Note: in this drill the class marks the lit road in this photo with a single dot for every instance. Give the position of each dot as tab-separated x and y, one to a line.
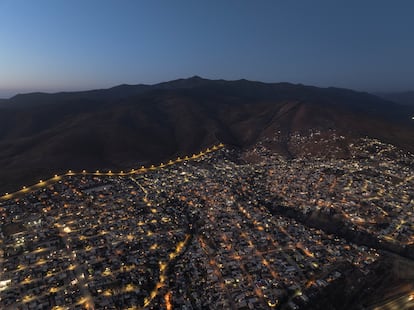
404	302
163	270
44	183
86	300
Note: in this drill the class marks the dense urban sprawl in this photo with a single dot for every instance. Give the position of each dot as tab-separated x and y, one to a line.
219	232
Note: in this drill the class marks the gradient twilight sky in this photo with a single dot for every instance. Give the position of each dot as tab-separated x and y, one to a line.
82	44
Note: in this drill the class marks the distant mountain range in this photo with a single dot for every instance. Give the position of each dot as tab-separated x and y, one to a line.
405	98
129	125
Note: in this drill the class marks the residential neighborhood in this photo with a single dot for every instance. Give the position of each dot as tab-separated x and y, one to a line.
214	232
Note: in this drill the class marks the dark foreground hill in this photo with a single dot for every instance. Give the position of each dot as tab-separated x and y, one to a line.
130	125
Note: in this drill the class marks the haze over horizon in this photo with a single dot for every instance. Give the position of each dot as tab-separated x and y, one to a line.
56	46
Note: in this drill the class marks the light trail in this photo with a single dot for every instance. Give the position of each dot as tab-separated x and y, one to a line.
44	183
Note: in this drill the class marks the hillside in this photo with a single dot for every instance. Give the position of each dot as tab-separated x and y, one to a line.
129	125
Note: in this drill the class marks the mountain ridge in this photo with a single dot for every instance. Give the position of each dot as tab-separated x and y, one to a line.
127	90
123	127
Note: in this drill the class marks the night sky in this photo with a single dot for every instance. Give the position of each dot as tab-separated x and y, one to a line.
74	45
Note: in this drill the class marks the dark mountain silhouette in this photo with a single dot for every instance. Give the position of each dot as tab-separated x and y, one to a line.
129	125
405	98
104	95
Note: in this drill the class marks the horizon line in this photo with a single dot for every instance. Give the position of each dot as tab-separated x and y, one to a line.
90	89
